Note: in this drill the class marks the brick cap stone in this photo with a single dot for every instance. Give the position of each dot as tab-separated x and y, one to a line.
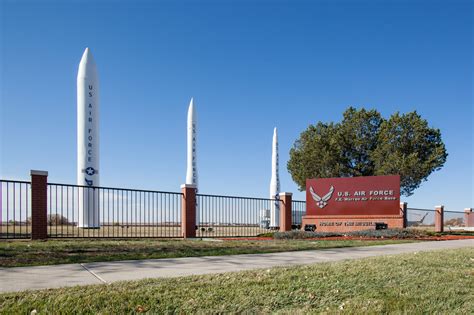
467	209
285	194
188	186
439	206
37	172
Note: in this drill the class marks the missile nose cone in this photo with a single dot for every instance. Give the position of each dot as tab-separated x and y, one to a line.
87	65
191	114
87	56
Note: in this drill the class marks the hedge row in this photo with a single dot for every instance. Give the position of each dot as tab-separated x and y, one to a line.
389	233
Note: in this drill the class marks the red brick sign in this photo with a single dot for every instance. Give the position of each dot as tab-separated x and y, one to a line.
368	195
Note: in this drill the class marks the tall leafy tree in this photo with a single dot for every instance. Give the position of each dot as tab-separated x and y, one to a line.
357	138
365	144
409	147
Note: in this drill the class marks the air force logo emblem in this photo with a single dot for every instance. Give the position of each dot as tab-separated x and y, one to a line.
90	171
321	201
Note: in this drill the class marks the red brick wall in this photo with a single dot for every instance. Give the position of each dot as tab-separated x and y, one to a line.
285	212
39	205
351	223
439	218
188	211
468	217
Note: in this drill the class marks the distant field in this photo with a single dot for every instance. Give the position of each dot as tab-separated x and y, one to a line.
168	231
440	282
29	253
23	231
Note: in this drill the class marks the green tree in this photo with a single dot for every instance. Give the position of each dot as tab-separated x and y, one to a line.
409	147
365	144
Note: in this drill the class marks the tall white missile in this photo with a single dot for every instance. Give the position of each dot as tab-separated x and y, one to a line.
88	141
275	184
191	173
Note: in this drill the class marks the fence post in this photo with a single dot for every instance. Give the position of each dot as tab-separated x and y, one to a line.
39	205
403	211
188	211
439	218
468	217
285	211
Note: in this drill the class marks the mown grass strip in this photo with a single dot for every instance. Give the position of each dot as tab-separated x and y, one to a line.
428	282
35	253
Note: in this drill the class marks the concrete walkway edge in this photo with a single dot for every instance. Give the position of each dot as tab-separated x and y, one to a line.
42	277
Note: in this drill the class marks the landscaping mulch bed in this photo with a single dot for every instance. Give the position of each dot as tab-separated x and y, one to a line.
348	238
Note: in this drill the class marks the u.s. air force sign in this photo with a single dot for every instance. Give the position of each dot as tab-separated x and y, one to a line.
368	195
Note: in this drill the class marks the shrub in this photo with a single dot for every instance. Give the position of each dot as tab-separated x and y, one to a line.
389	233
268	234
57	219
298	234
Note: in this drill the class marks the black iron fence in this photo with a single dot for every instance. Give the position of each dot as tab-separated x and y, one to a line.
453	219
418	217
230	216
298	209
425	218
83	211
15	209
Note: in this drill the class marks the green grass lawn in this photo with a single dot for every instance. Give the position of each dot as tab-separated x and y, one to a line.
31	253
429	282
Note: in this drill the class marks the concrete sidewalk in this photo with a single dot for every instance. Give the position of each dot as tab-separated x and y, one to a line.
23	278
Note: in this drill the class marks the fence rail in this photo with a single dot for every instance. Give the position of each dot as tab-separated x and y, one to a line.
82	211
75	211
425	218
232	216
15	209
298	210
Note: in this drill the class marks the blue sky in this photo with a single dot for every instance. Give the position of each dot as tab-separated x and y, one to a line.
250	66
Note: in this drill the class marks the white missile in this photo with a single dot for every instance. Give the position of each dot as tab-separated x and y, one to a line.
191	173
88	141
275	184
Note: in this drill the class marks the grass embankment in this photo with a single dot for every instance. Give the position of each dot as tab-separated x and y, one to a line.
430	282
34	253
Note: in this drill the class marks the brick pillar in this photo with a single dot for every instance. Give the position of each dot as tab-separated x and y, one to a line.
439	218
403	211
39	205
468	217
188	211
285	211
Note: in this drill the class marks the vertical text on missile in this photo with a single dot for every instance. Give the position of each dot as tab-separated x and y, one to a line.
90	124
